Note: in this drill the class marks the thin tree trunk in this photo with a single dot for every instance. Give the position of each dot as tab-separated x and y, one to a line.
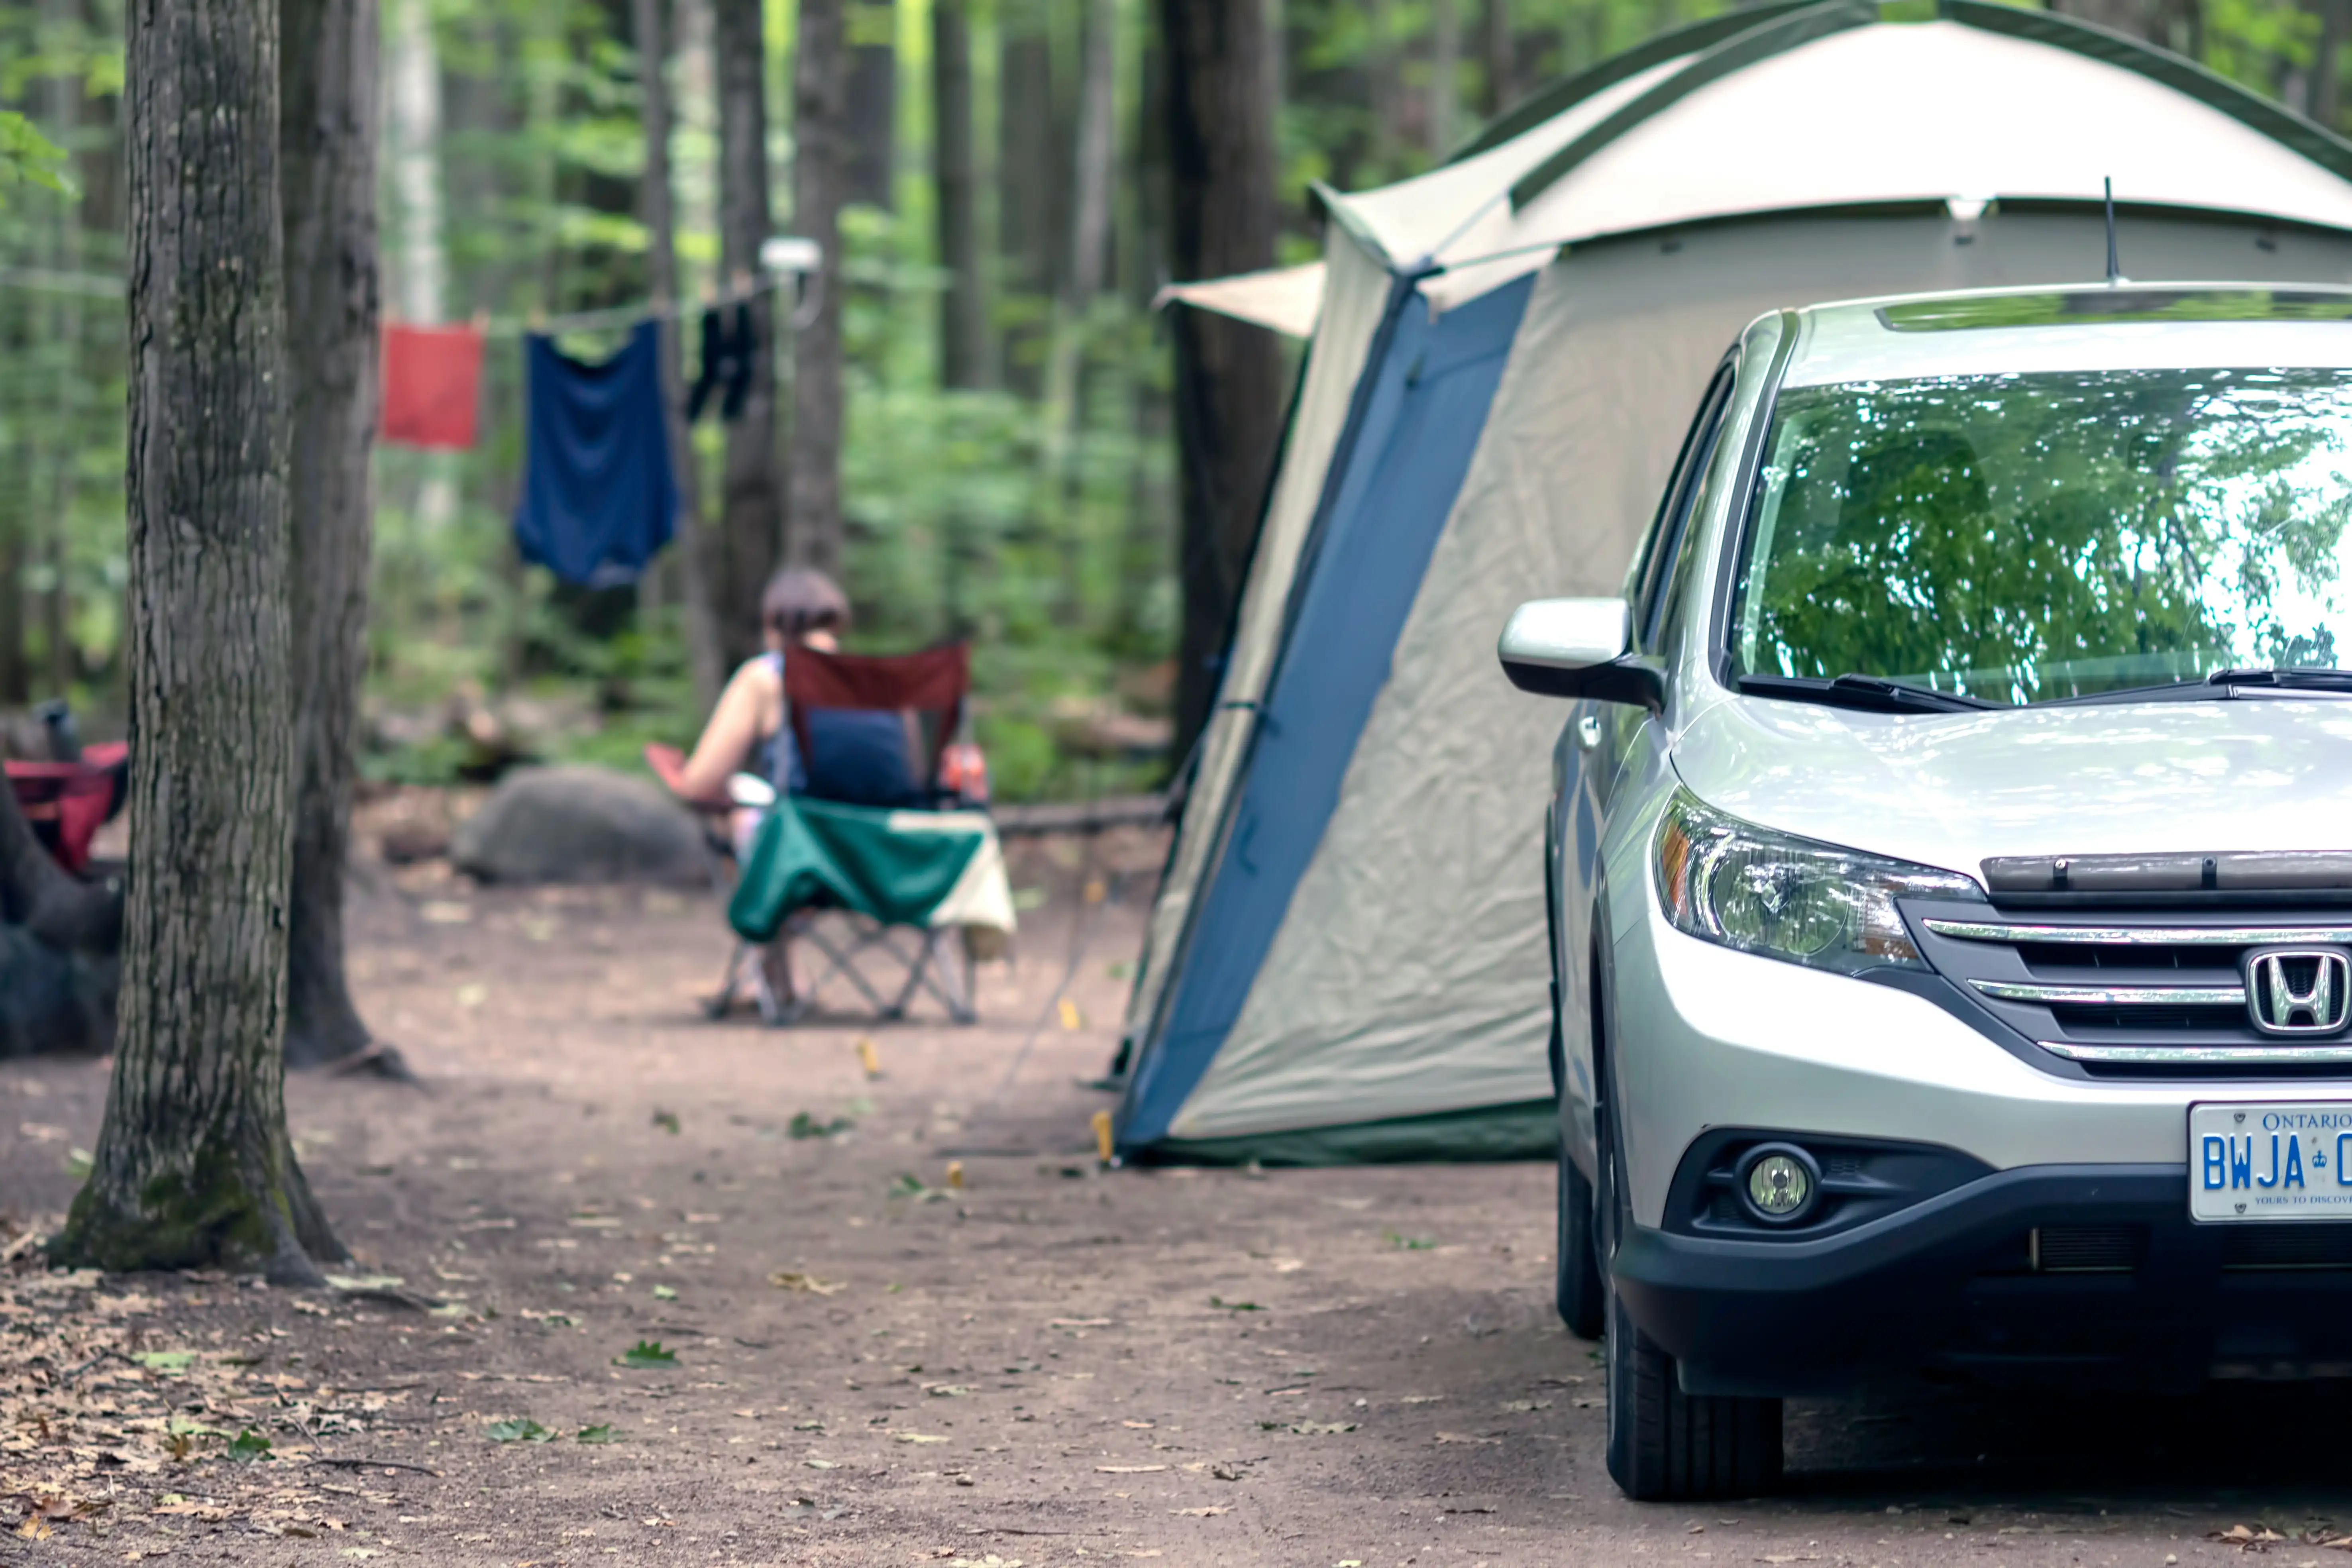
2326	104
750	523
819	112
963	307
413	99
62	91
1384	74
13	683
194	1166
869	157
1444	69
702	651
1229	394
1028	188
1500	85
327	152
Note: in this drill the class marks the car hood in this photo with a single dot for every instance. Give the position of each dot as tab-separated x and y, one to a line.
1949	789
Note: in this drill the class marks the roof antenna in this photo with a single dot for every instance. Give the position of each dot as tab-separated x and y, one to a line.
2114	268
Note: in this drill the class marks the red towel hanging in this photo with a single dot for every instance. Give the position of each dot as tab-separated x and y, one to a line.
431	378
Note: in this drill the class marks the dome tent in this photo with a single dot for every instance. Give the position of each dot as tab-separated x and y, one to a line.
1347	959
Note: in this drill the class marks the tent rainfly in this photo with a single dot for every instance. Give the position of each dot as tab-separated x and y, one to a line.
1347	960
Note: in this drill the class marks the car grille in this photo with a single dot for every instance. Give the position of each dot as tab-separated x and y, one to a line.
2134	992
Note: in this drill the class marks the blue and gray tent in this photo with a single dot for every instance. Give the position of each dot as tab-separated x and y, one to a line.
1347	960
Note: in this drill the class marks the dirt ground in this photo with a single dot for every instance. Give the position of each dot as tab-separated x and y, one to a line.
1048	1365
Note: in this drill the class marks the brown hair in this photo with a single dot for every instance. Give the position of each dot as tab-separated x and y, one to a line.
797	602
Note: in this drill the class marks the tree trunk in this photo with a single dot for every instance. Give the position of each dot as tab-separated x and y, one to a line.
699	614
1384	79
750	510
15	686
327	52
62	92
1028	193
1444	69
193	1167
963	308
2326	104
1229	375
422	272
869	157
1500	84
819	112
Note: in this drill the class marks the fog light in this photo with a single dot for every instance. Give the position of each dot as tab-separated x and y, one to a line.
1778	1183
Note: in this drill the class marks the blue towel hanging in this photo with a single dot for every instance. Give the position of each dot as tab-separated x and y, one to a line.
598	498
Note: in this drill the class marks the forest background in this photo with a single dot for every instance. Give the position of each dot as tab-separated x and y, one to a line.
1009	456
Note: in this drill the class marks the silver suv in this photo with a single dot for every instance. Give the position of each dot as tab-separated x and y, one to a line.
1950	867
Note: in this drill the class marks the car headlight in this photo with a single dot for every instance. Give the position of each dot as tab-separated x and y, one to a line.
1728	881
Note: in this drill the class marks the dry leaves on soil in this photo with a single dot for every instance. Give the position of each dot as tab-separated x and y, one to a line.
103	1409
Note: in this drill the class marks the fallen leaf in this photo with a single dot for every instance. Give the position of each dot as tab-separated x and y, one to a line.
1128	1470
1224	1471
792	1279
1210	1513
600	1433
646	1354
1235	1306
518	1429
820	1464
1077	1322
1465	1438
918	1438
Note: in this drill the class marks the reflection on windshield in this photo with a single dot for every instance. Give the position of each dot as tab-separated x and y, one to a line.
2021	538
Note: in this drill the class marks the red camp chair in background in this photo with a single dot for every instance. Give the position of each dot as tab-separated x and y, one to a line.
66	803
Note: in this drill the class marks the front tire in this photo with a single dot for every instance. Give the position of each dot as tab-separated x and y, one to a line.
1666	1446
1578	1287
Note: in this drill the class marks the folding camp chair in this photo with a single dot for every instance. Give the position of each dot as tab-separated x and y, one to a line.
878	862
66	803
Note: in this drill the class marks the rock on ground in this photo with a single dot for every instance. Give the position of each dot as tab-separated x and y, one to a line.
581	825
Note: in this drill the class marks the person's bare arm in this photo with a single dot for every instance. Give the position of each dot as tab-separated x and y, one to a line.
729	739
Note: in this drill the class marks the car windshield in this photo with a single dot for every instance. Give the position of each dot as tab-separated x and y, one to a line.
2029	537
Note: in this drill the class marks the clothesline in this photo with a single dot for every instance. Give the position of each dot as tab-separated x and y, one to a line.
104	285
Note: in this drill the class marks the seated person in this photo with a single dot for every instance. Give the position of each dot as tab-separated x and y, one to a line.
746	732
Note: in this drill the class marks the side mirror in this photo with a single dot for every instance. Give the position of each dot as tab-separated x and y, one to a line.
1579	647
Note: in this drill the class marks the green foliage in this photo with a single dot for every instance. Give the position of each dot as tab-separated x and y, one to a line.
247	1446
646	1354
27	157
518	1429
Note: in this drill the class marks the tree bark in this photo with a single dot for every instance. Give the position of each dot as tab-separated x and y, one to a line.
327	152
1229	409
1445	67
2326	104
1500	84
194	1166
751	521
704	659
963	307
1029	192
422	270
819	112
871	154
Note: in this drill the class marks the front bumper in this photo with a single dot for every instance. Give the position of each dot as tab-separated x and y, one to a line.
1955	1284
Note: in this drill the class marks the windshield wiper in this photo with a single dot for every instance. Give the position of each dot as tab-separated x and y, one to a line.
1871	693
2218	686
2291	678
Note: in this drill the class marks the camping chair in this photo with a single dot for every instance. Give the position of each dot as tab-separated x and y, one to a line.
66	803
879	861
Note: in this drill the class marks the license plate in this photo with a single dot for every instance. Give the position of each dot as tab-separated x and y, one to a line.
2270	1163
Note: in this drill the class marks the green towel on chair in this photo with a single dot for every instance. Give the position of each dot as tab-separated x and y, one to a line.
901	868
